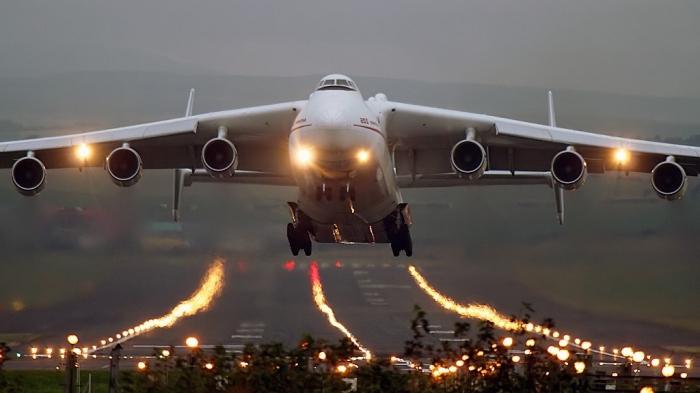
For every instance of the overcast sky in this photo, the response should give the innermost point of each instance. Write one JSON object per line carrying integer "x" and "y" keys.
{"x": 640, "y": 47}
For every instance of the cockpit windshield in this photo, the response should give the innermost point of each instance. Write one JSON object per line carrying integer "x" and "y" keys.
{"x": 337, "y": 84}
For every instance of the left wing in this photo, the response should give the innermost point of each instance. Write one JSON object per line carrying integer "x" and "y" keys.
{"x": 423, "y": 137}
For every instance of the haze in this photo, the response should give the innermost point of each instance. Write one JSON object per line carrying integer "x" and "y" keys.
{"x": 623, "y": 268}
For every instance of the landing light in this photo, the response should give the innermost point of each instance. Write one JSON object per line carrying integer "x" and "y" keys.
{"x": 622, "y": 156}
{"x": 304, "y": 156}
{"x": 83, "y": 152}
{"x": 362, "y": 156}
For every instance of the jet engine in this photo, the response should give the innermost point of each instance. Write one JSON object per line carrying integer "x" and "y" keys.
{"x": 468, "y": 157}
{"x": 29, "y": 175}
{"x": 669, "y": 180}
{"x": 124, "y": 166}
{"x": 219, "y": 157}
{"x": 569, "y": 169}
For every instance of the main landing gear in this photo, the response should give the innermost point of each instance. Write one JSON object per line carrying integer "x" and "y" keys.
{"x": 298, "y": 232}
{"x": 397, "y": 229}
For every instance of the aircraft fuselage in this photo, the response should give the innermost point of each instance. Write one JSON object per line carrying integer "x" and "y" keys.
{"x": 343, "y": 168}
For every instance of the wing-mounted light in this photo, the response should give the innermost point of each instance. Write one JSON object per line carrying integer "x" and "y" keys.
{"x": 669, "y": 179}
{"x": 569, "y": 169}
{"x": 29, "y": 175}
{"x": 219, "y": 155}
{"x": 124, "y": 166}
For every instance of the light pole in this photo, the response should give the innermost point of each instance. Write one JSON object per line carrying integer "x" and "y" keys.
{"x": 71, "y": 364}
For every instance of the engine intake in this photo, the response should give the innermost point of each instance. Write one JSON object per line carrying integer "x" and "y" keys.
{"x": 29, "y": 175}
{"x": 469, "y": 158}
{"x": 569, "y": 169}
{"x": 669, "y": 180}
{"x": 124, "y": 166}
{"x": 219, "y": 157}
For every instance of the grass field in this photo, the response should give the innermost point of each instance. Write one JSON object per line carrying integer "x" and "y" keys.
{"x": 43, "y": 381}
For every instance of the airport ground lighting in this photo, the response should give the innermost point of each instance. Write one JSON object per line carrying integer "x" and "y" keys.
{"x": 192, "y": 342}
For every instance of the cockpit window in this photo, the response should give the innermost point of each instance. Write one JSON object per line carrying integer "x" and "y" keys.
{"x": 336, "y": 84}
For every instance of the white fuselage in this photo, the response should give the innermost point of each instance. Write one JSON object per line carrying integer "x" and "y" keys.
{"x": 336, "y": 187}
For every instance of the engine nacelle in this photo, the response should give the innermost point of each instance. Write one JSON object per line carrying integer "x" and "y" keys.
{"x": 669, "y": 180}
{"x": 29, "y": 175}
{"x": 220, "y": 157}
{"x": 569, "y": 169}
{"x": 468, "y": 157}
{"x": 124, "y": 166}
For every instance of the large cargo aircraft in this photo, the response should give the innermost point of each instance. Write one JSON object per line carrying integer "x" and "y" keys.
{"x": 350, "y": 157}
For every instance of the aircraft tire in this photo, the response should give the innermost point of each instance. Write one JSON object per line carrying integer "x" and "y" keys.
{"x": 292, "y": 238}
{"x": 406, "y": 242}
{"x": 395, "y": 249}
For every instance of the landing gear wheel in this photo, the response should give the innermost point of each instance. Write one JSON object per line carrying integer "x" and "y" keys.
{"x": 299, "y": 239}
{"x": 304, "y": 241}
{"x": 395, "y": 248}
{"x": 405, "y": 238}
{"x": 292, "y": 238}
{"x": 400, "y": 239}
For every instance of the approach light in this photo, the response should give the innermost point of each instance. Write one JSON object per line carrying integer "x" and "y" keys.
{"x": 622, "y": 156}
{"x": 192, "y": 342}
{"x": 304, "y": 156}
{"x": 72, "y": 339}
{"x": 362, "y": 156}
{"x": 83, "y": 152}
{"x": 668, "y": 371}
{"x": 563, "y": 355}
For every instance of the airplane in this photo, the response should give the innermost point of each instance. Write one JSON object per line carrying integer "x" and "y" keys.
{"x": 350, "y": 157}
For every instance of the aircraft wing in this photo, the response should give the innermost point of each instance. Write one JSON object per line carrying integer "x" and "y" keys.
{"x": 259, "y": 134}
{"x": 424, "y": 136}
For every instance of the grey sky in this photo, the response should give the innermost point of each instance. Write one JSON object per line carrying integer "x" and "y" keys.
{"x": 640, "y": 47}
